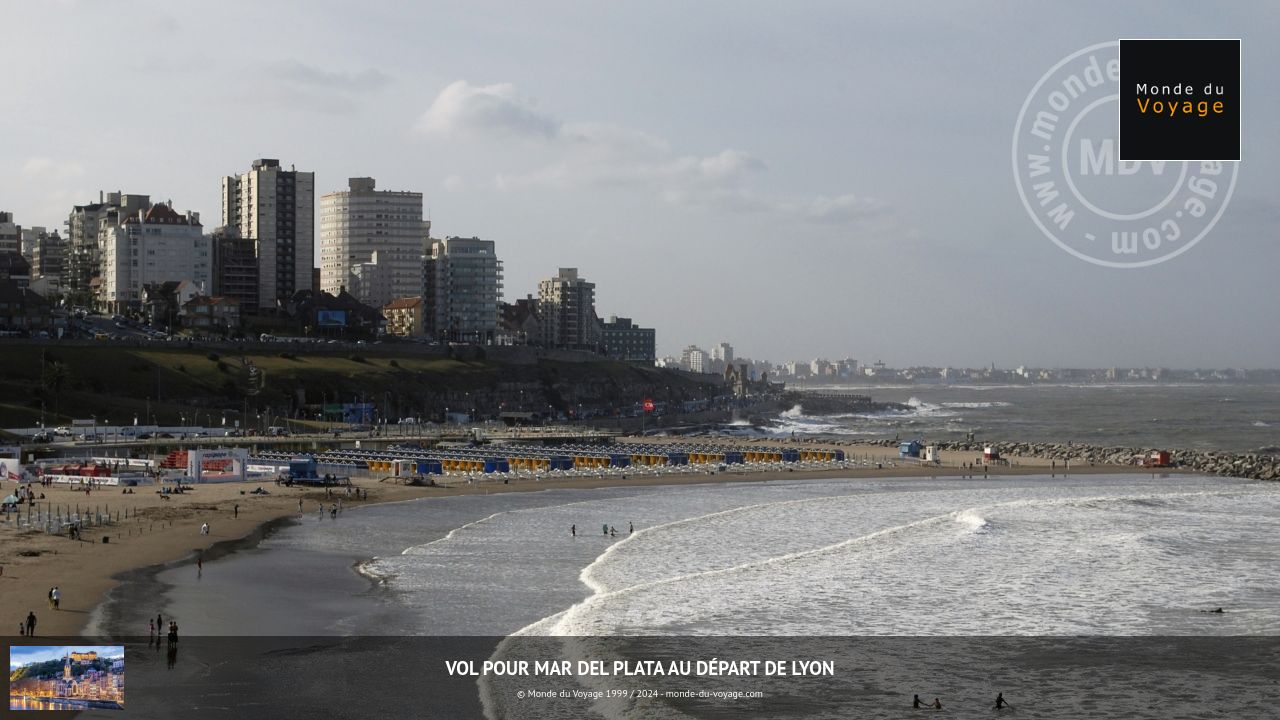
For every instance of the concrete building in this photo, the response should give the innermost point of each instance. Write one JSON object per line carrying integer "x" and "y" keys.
{"x": 45, "y": 251}
{"x": 276, "y": 209}
{"x": 10, "y": 233}
{"x": 722, "y": 352}
{"x": 567, "y": 305}
{"x": 85, "y": 227}
{"x": 153, "y": 246}
{"x": 621, "y": 339}
{"x": 235, "y": 269}
{"x": 364, "y": 226}
{"x": 405, "y": 317}
{"x": 462, "y": 289}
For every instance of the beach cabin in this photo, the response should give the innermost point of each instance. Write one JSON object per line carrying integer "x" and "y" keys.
{"x": 990, "y": 454}
{"x": 909, "y": 449}
{"x": 931, "y": 454}
{"x": 1159, "y": 458}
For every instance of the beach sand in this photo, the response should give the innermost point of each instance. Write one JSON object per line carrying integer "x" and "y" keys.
{"x": 159, "y": 531}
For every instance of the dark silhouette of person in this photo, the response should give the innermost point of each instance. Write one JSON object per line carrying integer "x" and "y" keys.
{"x": 31, "y": 624}
{"x": 1000, "y": 703}
{"x": 916, "y": 702}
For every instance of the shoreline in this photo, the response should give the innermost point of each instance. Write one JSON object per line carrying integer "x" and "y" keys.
{"x": 96, "y": 569}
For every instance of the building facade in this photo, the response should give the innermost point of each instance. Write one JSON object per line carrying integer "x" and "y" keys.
{"x": 85, "y": 227}
{"x": 462, "y": 288}
{"x": 152, "y": 247}
{"x": 10, "y": 233}
{"x": 405, "y": 317}
{"x": 567, "y": 305}
{"x": 235, "y": 269}
{"x": 622, "y": 339}
{"x": 365, "y": 226}
{"x": 275, "y": 208}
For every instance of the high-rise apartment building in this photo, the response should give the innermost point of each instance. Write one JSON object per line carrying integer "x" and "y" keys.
{"x": 567, "y": 304}
{"x": 85, "y": 227}
{"x": 154, "y": 246}
{"x": 235, "y": 268}
{"x": 462, "y": 289}
{"x": 371, "y": 242}
{"x": 275, "y": 208}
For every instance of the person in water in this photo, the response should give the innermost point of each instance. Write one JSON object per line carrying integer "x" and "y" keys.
{"x": 937, "y": 704}
{"x": 916, "y": 702}
{"x": 1000, "y": 703}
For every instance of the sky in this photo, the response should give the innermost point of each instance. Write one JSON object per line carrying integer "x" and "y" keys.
{"x": 20, "y": 655}
{"x": 819, "y": 179}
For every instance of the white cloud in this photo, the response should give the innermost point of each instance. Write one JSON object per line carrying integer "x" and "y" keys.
{"x": 463, "y": 108}
{"x": 588, "y": 155}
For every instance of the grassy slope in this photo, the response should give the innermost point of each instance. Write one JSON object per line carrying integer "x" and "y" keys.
{"x": 117, "y": 383}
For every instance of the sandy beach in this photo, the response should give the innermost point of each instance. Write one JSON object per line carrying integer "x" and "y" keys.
{"x": 159, "y": 531}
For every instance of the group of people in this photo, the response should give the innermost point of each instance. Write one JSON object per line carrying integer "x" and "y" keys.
{"x": 157, "y": 626}
{"x": 918, "y": 704}
{"x": 606, "y": 528}
{"x": 55, "y": 598}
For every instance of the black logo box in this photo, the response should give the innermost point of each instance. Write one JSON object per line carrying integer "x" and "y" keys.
{"x": 1184, "y": 64}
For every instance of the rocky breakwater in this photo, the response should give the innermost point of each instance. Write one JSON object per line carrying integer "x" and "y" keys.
{"x": 1256, "y": 466}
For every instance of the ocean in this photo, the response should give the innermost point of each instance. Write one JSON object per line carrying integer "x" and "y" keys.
{"x": 1227, "y": 417}
{"x": 1024, "y": 555}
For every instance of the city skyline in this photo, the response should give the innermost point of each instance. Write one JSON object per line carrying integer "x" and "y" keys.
{"x": 22, "y": 655}
{"x": 820, "y": 167}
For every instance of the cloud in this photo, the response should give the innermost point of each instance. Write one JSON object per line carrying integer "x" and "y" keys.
{"x": 463, "y": 108}
{"x": 590, "y": 155}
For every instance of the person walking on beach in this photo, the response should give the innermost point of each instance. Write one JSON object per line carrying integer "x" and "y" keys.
{"x": 151, "y": 629}
{"x": 204, "y": 529}
{"x": 299, "y": 506}
{"x": 31, "y": 624}
{"x": 50, "y": 598}
{"x": 200, "y": 565}
{"x": 22, "y": 629}
{"x": 56, "y": 594}
{"x": 235, "y": 511}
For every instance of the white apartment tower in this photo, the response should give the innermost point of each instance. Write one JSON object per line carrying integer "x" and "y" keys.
{"x": 371, "y": 242}
{"x": 153, "y": 246}
{"x": 276, "y": 209}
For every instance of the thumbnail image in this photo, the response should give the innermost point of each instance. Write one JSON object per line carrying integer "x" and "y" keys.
{"x": 66, "y": 677}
